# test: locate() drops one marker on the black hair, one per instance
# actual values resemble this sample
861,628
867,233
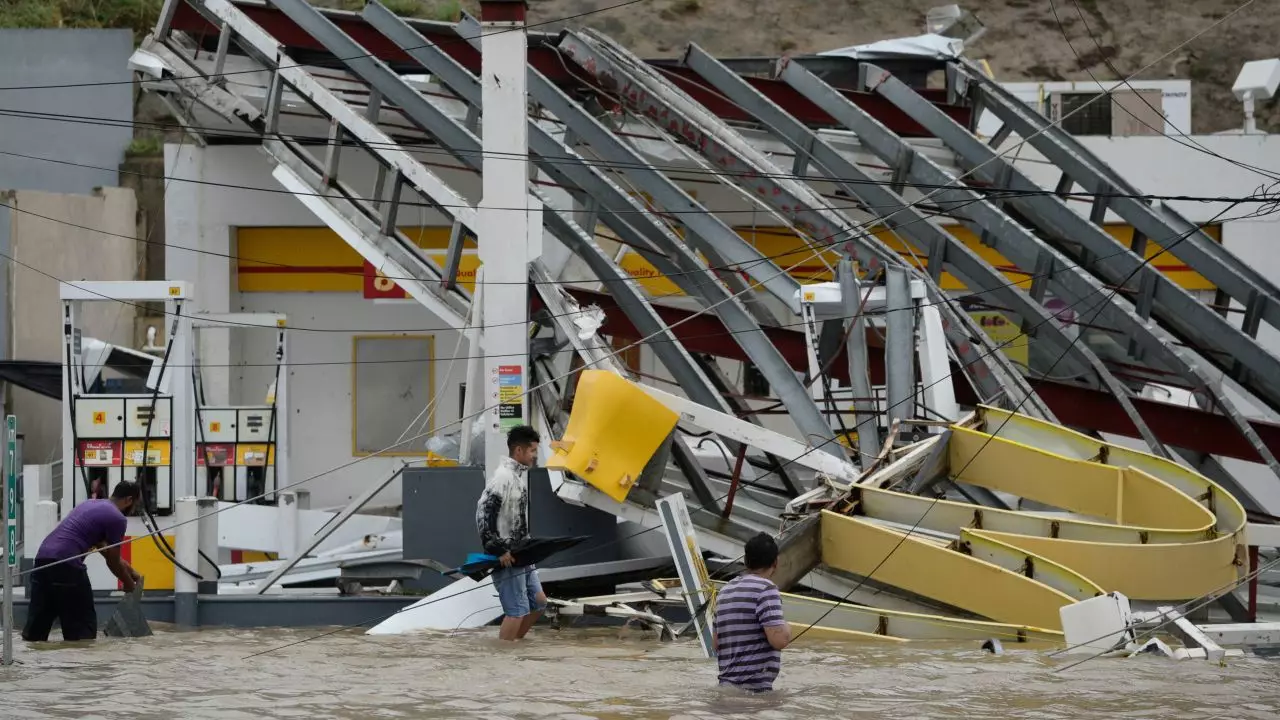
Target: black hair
521,435
126,490
761,552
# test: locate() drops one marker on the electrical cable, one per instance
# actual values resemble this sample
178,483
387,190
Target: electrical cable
615,167
612,354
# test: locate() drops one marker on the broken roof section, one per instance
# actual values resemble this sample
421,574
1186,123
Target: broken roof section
317,83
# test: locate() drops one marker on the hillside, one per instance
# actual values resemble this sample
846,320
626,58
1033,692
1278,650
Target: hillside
1023,40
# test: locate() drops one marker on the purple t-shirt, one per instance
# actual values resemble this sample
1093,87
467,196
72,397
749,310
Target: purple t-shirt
90,523
745,606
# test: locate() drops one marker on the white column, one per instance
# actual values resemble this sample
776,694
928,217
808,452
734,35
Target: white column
207,507
187,550
288,525
510,224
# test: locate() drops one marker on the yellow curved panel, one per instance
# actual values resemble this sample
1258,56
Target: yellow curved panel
614,429
1064,441
1143,572
999,464
949,516
820,632
1150,502
861,548
805,611
1125,496
1038,568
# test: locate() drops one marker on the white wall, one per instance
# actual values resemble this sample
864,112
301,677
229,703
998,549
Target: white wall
49,250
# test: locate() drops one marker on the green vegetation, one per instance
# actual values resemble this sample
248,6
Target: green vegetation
137,15
152,146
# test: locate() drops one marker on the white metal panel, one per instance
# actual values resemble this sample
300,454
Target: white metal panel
138,413
99,418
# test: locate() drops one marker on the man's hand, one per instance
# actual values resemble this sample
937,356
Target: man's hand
507,559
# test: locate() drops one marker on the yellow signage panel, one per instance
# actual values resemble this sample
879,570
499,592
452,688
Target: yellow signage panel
315,259
1007,336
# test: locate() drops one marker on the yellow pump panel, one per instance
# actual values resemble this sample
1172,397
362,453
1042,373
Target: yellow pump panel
614,429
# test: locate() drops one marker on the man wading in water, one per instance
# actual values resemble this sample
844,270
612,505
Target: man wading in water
750,632
63,591
502,517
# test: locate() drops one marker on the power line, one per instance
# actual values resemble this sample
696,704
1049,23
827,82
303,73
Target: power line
616,352
617,167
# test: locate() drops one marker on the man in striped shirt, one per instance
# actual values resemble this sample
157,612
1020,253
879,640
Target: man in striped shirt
750,632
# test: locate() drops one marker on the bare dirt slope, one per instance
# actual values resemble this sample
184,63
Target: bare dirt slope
1024,41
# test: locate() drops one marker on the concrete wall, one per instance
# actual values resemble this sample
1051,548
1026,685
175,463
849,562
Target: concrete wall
49,123
47,252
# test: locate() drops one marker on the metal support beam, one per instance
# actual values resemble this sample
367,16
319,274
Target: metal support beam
647,93
940,246
865,417
1005,235
1101,254
729,309
1197,250
899,358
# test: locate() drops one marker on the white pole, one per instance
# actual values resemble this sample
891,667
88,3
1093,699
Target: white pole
508,239
287,528
208,509
187,537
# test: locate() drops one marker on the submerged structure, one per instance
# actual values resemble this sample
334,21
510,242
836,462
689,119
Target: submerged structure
804,293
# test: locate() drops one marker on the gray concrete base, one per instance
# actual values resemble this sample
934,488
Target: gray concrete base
255,611
185,611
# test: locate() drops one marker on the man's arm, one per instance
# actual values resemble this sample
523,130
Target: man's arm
769,613
490,540
121,569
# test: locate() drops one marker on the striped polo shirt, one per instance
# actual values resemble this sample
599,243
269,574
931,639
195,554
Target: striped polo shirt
744,608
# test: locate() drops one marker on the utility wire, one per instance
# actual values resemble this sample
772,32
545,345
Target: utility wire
1190,142
614,166
615,353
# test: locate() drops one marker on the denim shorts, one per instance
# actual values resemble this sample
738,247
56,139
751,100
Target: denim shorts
518,590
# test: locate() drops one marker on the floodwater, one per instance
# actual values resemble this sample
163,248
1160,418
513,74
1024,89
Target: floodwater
575,674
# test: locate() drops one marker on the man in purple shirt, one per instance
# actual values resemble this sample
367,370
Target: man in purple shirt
750,632
60,587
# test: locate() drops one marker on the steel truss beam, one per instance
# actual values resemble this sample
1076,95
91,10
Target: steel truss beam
1224,269
1220,342
794,202
425,277
566,166
468,149
991,372
1013,241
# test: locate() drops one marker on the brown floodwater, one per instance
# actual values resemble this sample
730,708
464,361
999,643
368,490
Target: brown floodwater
575,674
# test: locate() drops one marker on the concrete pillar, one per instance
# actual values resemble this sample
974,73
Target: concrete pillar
187,550
509,238
287,525
207,508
